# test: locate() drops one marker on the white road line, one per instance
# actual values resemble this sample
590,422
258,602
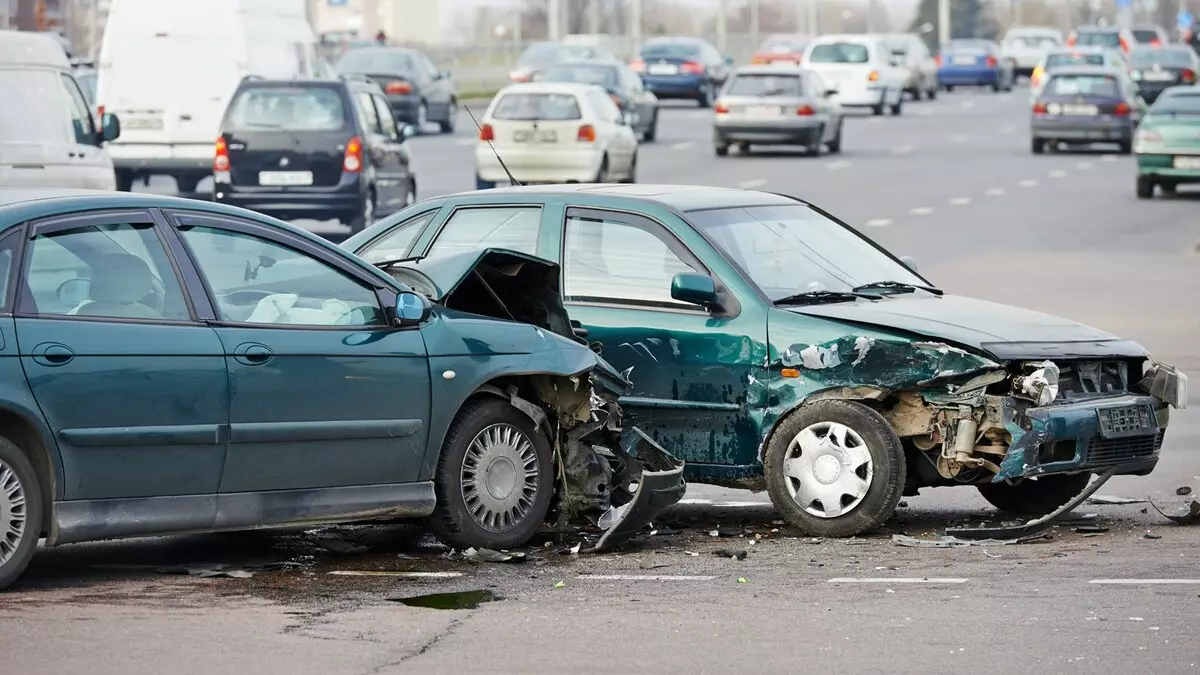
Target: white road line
1028,183
898,580
694,501
1084,166
684,145
1058,173
1108,158
387,573
879,222
901,149
1137,582
959,138
752,183
642,577
732,505
840,164
994,192
960,201
921,210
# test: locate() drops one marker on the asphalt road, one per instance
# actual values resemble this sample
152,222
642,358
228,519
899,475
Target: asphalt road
951,183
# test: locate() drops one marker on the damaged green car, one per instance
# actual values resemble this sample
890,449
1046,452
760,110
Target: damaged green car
773,347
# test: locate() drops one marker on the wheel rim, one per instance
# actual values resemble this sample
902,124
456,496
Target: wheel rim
828,469
12,513
499,477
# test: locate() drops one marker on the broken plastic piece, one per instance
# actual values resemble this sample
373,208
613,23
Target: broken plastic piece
1106,499
1183,491
733,554
488,555
1190,517
1037,524
459,600
660,485
1040,386
955,542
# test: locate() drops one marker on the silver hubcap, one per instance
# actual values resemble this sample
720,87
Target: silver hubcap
12,513
500,477
828,469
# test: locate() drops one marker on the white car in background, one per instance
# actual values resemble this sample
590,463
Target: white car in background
861,69
554,133
1026,46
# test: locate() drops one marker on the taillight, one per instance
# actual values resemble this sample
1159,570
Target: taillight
1121,110
692,68
720,108
1155,43
486,133
991,62
221,157
1039,108
1188,75
398,87
874,76
638,65
805,110
1124,45
587,134
1035,77
759,60
100,110
353,160
1071,40
520,76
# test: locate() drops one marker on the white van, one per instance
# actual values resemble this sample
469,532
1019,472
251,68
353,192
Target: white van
48,138
168,68
861,69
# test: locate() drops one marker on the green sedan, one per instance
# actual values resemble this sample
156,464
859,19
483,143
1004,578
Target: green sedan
1167,144
771,346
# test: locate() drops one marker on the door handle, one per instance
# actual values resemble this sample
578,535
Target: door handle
252,353
52,354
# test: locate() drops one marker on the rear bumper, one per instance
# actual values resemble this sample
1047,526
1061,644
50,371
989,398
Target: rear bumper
968,77
342,201
792,133
866,95
1163,166
162,158
539,165
1082,129
672,86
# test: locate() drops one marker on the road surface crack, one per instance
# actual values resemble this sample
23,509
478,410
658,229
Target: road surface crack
446,632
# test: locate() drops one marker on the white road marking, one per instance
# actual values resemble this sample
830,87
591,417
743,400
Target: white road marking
752,183
388,573
1058,173
1084,166
643,577
1028,183
959,138
684,145
879,222
840,164
960,201
921,211
898,580
1136,582
994,192
694,501
902,149
735,505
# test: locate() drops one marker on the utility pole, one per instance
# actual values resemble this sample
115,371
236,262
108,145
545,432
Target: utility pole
554,19
811,24
753,21
943,21
635,26
722,41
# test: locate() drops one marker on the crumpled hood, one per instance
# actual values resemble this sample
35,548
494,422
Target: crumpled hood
1003,331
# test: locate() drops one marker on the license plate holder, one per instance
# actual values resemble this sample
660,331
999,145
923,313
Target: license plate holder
285,178
964,60
1126,420
663,69
764,111
1153,76
143,123
1187,163
1080,110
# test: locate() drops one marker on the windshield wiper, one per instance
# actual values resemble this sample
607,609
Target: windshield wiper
820,297
895,287
384,264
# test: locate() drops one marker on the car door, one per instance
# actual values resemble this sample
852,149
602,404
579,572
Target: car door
440,92
691,371
90,162
132,384
323,391
385,164
611,123
399,170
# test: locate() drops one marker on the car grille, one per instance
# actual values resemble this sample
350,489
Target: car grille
1110,451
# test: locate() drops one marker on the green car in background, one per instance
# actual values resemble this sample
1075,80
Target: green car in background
1167,145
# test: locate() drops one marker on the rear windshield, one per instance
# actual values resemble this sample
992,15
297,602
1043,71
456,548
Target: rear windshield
840,52
599,75
1058,60
551,107
552,52
1083,85
756,84
376,61
784,44
288,109
44,115
1175,58
1032,41
1098,39
1179,104
671,50
1145,35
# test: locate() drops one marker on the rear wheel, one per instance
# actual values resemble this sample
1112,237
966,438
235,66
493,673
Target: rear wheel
704,98
632,177
1038,146
835,144
949,87
652,130
481,184
186,185
20,512
422,117
720,149
814,148
124,181
366,213
602,173
1034,496
1168,188
898,107
447,125
1145,187
1126,147
915,93
932,93
877,110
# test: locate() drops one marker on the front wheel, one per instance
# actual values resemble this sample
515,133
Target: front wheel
898,107
124,181
651,131
932,93
602,172
366,213
835,469
632,177
1145,187
495,478
1034,496
20,512
835,144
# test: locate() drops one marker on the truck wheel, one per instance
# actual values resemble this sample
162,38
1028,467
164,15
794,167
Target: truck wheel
834,469
186,185
1035,496
495,478
20,512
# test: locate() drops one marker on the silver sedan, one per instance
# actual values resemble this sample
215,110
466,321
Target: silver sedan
776,105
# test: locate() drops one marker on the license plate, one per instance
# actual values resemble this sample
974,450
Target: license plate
663,69
1080,110
1153,76
764,111
1187,162
146,123
1129,420
285,178
528,136
964,60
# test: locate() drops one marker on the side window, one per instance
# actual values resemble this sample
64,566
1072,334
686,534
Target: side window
385,117
394,244
81,114
259,281
119,271
610,261
604,106
370,118
472,229
8,252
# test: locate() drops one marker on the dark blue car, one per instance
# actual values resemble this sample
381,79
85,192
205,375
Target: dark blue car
974,63
682,67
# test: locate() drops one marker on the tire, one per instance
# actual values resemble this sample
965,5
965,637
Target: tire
651,131
915,93
996,86
1145,187
452,520
1168,188
422,117
17,474
887,463
602,172
814,149
1126,148
186,185
632,170
877,110
410,195
1038,146
898,108
705,98
447,125
366,214
1034,496
124,181
721,150
949,87
932,94
835,145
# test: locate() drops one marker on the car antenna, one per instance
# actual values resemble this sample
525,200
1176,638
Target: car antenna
508,173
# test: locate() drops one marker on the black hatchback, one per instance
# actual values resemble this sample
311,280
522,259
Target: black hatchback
313,149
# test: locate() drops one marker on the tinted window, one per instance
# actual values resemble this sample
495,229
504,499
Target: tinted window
376,61
551,107
1173,58
840,52
287,109
367,113
603,76
1098,39
44,114
1074,59
747,84
1083,85
8,247
1178,104
386,118
255,280
394,245
670,50
514,227
1145,35
605,260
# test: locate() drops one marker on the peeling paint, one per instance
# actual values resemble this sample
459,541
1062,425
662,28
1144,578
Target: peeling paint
817,357
862,345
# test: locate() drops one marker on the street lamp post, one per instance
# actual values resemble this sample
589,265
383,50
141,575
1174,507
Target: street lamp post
943,21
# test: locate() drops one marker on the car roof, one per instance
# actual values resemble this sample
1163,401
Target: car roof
678,197
667,39
35,49
590,63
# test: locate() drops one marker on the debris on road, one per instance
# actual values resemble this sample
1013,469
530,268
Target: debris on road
743,580
1151,535
1090,529
341,546
733,554
560,584
948,541
1110,500
1190,516
483,555
1183,491
651,562
457,600
396,573
1037,524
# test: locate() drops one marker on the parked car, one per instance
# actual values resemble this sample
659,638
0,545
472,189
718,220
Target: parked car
974,63
418,92
1155,69
1085,104
323,149
1100,36
1167,142
777,105
1025,46
778,347
638,104
537,56
552,132
860,69
183,366
1074,56
920,67
49,139
783,48
682,67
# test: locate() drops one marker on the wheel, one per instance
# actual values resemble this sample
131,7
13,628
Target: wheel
721,150
366,213
898,107
835,145
997,86
834,469
632,178
814,148
495,478
1034,496
949,87
447,125
410,195
602,172
915,93
186,185
1038,146
877,110
651,131
1145,187
422,117
20,512
932,94
743,148
1126,148
124,181
1168,188
704,99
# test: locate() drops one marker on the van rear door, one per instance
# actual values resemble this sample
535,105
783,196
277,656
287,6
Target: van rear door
37,137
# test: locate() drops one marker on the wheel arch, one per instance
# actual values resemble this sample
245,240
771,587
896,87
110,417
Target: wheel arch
35,441
868,395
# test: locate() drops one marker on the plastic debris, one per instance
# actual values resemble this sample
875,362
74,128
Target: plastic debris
483,555
1110,500
457,600
1091,529
992,555
714,533
339,546
743,580
1037,524
396,573
733,554
1183,491
692,553
576,547
560,584
1151,535
813,540
954,542
1190,516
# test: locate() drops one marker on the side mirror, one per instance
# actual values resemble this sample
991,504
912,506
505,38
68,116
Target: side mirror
909,262
110,127
408,131
73,292
694,289
578,329
411,308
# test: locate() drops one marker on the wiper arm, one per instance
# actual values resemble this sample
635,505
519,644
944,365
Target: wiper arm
384,264
821,297
896,287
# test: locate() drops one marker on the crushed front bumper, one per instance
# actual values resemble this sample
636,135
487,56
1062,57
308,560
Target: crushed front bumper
660,485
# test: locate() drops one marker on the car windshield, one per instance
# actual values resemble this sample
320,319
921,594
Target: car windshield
550,107
1172,58
1031,41
604,76
1084,85
287,109
784,44
840,52
1074,59
1098,39
763,84
553,52
1177,104
376,61
1145,35
670,50
790,249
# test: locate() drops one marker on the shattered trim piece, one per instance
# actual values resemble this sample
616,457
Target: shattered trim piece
388,573
1037,524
